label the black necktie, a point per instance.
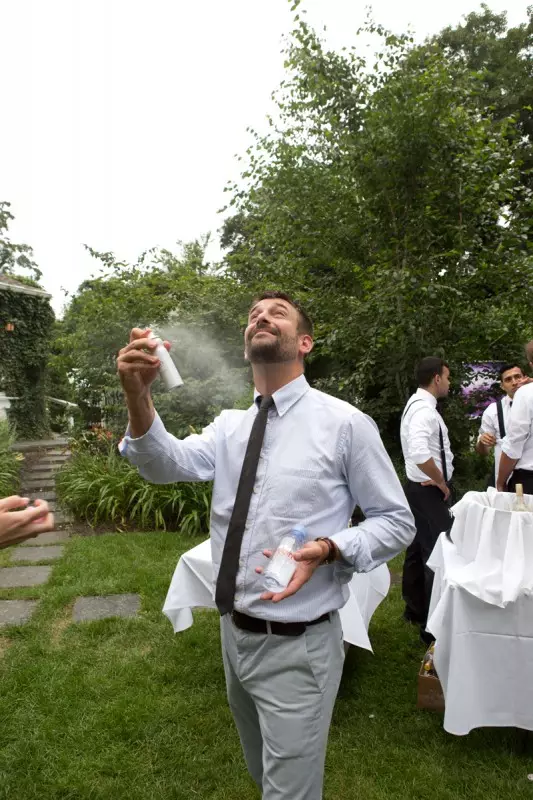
(229, 565)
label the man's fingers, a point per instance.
(268, 553)
(29, 516)
(138, 346)
(291, 589)
(309, 552)
(259, 570)
(138, 358)
(38, 511)
(12, 502)
(139, 333)
(296, 582)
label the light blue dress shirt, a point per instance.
(320, 458)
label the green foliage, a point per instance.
(24, 360)
(15, 257)
(23, 372)
(103, 488)
(188, 303)
(10, 462)
(397, 212)
(501, 59)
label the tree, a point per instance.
(25, 343)
(15, 257)
(397, 211)
(187, 301)
(500, 57)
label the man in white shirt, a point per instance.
(314, 459)
(516, 460)
(496, 416)
(429, 468)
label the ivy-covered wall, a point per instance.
(24, 357)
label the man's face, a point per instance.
(272, 333)
(510, 381)
(442, 382)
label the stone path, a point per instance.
(17, 612)
(34, 555)
(42, 461)
(113, 605)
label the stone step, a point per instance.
(49, 495)
(16, 612)
(45, 463)
(60, 518)
(33, 555)
(11, 577)
(101, 607)
(42, 463)
(53, 537)
(48, 445)
(37, 475)
(47, 480)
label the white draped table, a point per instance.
(192, 587)
(481, 614)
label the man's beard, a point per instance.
(272, 350)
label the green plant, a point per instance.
(102, 488)
(97, 440)
(26, 324)
(10, 462)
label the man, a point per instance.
(496, 416)
(429, 468)
(516, 461)
(296, 456)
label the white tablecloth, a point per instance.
(483, 652)
(192, 587)
(494, 547)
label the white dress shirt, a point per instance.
(518, 442)
(490, 424)
(320, 457)
(419, 432)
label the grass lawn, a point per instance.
(126, 710)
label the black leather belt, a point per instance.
(255, 625)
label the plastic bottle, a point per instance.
(282, 566)
(168, 371)
(519, 504)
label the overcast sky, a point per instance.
(121, 118)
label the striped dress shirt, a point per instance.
(320, 458)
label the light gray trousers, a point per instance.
(281, 691)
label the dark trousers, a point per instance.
(523, 476)
(432, 517)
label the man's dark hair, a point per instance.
(507, 367)
(427, 369)
(304, 324)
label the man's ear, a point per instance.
(306, 344)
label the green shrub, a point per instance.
(10, 462)
(101, 488)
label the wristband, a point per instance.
(332, 552)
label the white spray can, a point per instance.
(168, 372)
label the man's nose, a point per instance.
(262, 317)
